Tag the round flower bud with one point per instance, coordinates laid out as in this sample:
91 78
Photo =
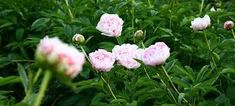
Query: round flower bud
228 25
138 36
78 39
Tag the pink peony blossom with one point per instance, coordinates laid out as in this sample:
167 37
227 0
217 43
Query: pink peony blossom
60 57
200 23
129 63
126 55
156 54
110 25
102 60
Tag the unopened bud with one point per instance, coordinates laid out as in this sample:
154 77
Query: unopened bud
138 36
228 25
78 39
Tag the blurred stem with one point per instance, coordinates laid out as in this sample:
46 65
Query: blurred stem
142 43
84 52
208 45
70 12
133 16
202 3
110 89
233 33
149 4
173 97
37 75
168 77
31 61
43 87
146 73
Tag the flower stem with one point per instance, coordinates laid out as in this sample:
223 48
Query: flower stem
37 75
70 12
110 89
84 52
43 88
168 77
210 50
146 73
133 16
233 33
202 3
149 3
167 89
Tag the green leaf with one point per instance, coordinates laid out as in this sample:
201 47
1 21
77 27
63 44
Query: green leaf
200 75
40 23
23 76
9 80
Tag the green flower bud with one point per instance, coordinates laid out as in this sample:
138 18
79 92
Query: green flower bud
138 36
78 39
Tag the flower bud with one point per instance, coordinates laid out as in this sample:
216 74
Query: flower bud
228 25
138 36
78 39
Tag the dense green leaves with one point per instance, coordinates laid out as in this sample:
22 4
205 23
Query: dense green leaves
202 77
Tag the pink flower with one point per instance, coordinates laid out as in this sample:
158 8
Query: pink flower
102 60
156 54
60 57
126 55
129 63
110 25
200 23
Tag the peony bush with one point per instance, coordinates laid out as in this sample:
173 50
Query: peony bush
117 53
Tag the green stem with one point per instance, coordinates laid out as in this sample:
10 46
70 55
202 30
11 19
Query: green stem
84 52
210 50
233 33
70 12
133 16
146 73
168 77
37 75
110 89
142 43
149 4
173 97
43 88
202 3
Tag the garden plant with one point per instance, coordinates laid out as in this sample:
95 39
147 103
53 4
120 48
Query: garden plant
117 53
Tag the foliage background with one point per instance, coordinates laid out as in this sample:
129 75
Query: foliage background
24 22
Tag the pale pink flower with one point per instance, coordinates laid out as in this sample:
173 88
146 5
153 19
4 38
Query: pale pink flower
126 54
60 57
200 23
156 54
110 25
102 60
129 63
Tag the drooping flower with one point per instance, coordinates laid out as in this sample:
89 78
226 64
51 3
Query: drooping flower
228 25
200 23
126 54
110 25
155 54
102 60
59 57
